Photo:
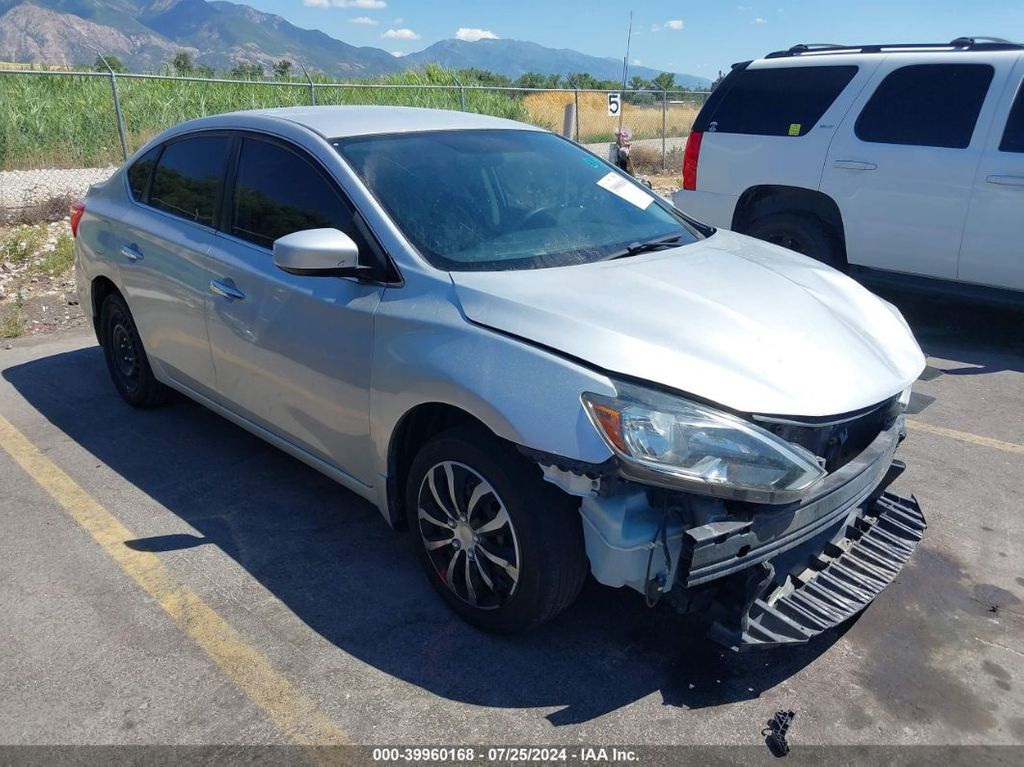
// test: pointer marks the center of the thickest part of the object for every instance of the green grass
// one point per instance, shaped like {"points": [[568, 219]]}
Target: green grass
{"points": [[12, 323], [51, 121], [20, 244], [60, 259]]}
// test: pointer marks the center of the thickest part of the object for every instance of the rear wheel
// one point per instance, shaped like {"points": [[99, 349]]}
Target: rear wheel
{"points": [[804, 234], [501, 546], [126, 357]]}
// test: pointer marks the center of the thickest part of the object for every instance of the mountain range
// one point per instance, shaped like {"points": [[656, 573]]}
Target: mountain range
{"points": [[146, 34]]}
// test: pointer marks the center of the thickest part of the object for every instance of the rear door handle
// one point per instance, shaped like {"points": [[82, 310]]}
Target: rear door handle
{"points": [[226, 290], [131, 252], [1006, 180], [854, 165]]}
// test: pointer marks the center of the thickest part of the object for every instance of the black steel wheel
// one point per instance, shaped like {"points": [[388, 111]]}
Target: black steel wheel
{"points": [[126, 357]]}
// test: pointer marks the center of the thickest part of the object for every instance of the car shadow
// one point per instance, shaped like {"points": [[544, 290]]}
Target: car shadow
{"points": [[331, 559], [983, 337]]}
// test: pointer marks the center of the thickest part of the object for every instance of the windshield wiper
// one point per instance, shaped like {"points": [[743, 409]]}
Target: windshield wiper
{"points": [[645, 247]]}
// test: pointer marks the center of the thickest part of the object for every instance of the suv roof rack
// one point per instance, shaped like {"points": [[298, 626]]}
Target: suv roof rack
{"points": [[959, 44]]}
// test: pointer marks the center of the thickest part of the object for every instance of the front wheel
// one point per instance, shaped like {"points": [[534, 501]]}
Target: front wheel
{"points": [[501, 546]]}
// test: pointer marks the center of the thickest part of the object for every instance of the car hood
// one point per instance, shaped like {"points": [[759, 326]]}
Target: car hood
{"points": [[729, 319]]}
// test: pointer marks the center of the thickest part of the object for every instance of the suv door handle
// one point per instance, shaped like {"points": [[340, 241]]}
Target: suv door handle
{"points": [[131, 252], [1006, 180], [225, 290], [854, 165]]}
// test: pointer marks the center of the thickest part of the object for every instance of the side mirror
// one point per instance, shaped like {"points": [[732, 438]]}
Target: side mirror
{"points": [[317, 252]]}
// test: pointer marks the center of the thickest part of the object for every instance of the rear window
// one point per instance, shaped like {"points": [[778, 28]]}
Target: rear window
{"points": [[140, 172], [926, 105], [1013, 136], [188, 176], [783, 101]]}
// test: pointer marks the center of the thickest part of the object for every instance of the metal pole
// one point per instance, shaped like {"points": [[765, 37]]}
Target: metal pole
{"points": [[462, 92], [576, 93], [625, 65], [664, 126], [312, 88], [117, 106]]}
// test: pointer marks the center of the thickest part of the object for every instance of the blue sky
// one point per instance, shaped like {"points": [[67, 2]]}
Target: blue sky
{"points": [[692, 37]]}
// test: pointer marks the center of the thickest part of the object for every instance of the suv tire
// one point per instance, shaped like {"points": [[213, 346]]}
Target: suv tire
{"points": [[804, 234], [126, 357], [510, 555]]}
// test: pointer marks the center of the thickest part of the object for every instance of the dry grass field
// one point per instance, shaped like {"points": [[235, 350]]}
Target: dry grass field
{"points": [[547, 109]]}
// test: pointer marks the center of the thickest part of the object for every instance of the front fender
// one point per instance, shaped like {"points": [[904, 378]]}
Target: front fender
{"points": [[427, 352]]}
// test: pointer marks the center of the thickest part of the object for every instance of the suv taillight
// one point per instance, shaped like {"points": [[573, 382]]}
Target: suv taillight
{"points": [[77, 209], [690, 158]]}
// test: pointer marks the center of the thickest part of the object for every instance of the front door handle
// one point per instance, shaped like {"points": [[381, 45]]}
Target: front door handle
{"points": [[1006, 180], [226, 290], [854, 165], [131, 252]]}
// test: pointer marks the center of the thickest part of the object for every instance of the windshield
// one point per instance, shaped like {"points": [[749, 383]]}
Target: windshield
{"points": [[508, 199]]}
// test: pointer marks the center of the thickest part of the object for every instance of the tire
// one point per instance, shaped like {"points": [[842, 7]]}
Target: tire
{"points": [[540, 537], [126, 357], [804, 234]]}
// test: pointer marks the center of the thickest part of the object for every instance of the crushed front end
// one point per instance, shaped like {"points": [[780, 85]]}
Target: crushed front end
{"points": [[770, 570]]}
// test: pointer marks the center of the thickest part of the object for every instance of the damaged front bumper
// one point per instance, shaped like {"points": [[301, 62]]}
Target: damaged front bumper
{"points": [[768, 574]]}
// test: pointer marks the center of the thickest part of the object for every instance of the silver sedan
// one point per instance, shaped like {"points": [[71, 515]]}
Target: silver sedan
{"points": [[529, 360]]}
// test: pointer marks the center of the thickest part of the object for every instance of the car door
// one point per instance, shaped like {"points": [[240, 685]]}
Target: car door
{"points": [[993, 245], [291, 353], [901, 167], [163, 258]]}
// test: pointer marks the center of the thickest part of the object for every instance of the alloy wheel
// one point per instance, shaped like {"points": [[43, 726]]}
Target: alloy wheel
{"points": [[468, 535]]}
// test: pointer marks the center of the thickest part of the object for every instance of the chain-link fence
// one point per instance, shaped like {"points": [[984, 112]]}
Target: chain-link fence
{"points": [[61, 131]]}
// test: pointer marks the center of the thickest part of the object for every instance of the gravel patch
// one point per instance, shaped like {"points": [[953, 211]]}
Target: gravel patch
{"points": [[24, 188]]}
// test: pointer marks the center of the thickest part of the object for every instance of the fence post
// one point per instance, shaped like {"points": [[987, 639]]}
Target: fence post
{"points": [[664, 127], [576, 94], [117, 107], [462, 92], [312, 88]]}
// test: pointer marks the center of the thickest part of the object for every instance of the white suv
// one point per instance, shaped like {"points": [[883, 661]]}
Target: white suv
{"points": [[902, 158]]}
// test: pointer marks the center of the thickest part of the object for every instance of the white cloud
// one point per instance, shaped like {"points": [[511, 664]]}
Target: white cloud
{"points": [[401, 34], [674, 24], [760, 20], [317, 3], [368, 4], [637, 62], [655, 28], [472, 34], [362, 20], [397, 54]]}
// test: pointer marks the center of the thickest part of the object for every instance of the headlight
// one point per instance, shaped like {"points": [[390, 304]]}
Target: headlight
{"points": [[672, 441]]}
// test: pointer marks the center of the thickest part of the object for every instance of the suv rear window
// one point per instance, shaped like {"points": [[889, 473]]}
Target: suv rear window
{"points": [[1013, 136], [926, 105], [782, 101]]}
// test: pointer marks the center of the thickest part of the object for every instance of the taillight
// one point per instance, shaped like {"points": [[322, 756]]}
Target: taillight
{"points": [[77, 209], [690, 158]]}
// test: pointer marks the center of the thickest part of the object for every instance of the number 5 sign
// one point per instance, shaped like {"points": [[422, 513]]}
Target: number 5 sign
{"points": [[614, 104]]}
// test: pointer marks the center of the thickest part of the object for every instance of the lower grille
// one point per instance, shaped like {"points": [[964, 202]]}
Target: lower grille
{"points": [[842, 580]]}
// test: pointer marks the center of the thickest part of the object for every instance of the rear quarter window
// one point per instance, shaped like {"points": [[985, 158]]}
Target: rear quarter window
{"points": [[140, 172], [1013, 135], [934, 105], [782, 101]]}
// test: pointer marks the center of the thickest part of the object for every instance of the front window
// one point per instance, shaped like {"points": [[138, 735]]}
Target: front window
{"points": [[489, 200]]}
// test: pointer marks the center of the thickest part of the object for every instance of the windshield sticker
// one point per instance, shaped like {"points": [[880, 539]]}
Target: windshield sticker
{"points": [[794, 129], [617, 185]]}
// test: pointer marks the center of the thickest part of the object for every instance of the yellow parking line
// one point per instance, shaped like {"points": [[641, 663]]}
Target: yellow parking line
{"points": [[298, 717], [963, 436]]}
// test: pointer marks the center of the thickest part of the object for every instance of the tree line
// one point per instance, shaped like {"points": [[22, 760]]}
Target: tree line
{"points": [[183, 65]]}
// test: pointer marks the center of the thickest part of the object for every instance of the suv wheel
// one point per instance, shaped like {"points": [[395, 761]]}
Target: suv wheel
{"points": [[502, 547], [804, 234], [126, 357]]}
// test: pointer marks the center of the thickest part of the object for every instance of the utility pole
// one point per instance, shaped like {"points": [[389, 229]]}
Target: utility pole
{"points": [[625, 64]]}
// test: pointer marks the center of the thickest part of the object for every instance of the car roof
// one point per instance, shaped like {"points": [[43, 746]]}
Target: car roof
{"points": [[344, 121]]}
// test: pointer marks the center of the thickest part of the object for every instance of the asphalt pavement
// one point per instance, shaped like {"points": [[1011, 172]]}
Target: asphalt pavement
{"points": [[167, 578]]}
